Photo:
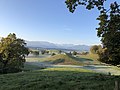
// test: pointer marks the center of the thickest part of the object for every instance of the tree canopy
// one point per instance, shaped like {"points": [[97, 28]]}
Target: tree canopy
{"points": [[95, 49], [109, 27], [89, 4], [12, 54]]}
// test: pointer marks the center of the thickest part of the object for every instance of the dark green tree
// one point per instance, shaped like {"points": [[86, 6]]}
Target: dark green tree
{"points": [[74, 53], [36, 53], [47, 51], [43, 51], [95, 49], [12, 54], [53, 54], [60, 51], [89, 4], [108, 30]]}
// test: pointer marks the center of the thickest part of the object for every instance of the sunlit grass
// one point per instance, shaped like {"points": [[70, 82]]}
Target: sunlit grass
{"points": [[67, 69], [90, 56], [57, 79]]}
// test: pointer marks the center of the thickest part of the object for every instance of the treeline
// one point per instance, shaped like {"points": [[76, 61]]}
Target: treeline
{"points": [[37, 52]]}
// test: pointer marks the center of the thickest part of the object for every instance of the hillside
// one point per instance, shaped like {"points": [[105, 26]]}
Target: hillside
{"points": [[63, 59]]}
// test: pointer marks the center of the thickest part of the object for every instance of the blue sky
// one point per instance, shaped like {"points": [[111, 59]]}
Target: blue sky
{"points": [[46, 20]]}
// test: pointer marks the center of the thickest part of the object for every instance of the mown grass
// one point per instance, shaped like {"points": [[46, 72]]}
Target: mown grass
{"points": [[57, 79]]}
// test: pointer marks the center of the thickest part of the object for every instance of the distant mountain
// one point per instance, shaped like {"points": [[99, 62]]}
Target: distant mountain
{"points": [[81, 47], [43, 44]]}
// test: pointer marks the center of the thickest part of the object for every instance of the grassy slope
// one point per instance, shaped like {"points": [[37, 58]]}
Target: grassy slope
{"points": [[57, 79], [67, 59], [92, 57], [64, 78], [63, 59]]}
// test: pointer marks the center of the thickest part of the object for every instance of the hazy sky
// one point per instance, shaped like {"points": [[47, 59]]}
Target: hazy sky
{"points": [[48, 20]]}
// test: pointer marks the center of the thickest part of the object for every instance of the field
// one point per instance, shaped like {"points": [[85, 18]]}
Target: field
{"points": [[57, 79], [61, 72]]}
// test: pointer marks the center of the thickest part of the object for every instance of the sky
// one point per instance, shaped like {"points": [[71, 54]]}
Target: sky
{"points": [[46, 20]]}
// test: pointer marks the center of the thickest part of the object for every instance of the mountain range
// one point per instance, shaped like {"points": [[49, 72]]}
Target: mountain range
{"points": [[48, 45]]}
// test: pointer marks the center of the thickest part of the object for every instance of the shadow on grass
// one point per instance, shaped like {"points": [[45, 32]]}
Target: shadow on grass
{"points": [[82, 60], [57, 61], [96, 67]]}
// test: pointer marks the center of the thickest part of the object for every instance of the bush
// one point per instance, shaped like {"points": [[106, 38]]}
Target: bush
{"points": [[74, 53], [53, 54], [9, 70]]}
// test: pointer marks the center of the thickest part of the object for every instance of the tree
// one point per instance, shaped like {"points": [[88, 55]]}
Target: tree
{"points": [[74, 53], [36, 53], [108, 30], [12, 54], [95, 49], [89, 4], [53, 54], [43, 51], [47, 51], [59, 51]]}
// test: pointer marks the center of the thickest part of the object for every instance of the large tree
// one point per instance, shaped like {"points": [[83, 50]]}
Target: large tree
{"points": [[12, 54], [108, 30]]}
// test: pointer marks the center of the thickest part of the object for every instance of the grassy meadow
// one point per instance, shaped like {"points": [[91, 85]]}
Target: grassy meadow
{"points": [[36, 77], [57, 79]]}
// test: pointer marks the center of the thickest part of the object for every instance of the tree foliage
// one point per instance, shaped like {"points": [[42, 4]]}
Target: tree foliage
{"points": [[89, 4], [108, 30], [74, 53], [12, 54], [53, 54], [95, 49], [36, 53], [43, 51]]}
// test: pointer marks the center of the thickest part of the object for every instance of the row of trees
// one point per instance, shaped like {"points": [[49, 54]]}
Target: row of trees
{"points": [[37, 52], [108, 30], [12, 54]]}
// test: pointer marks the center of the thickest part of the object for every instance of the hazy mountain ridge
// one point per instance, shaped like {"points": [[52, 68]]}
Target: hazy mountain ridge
{"points": [[44, 44]]}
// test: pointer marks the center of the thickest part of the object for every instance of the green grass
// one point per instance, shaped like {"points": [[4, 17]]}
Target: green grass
{"points": [[57, 79], [29, 67], [62, 59], [33, 59], [67, 69], [92, 57], [67, 59]]}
